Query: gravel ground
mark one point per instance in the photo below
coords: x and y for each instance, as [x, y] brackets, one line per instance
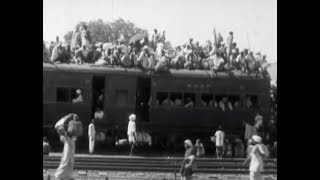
[126, 175]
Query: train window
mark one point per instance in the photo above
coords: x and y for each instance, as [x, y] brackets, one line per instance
[224, 102]
[76, 95]
[189, 100]
[63, 95]
[251, 101]
[162, 98]
[234, 100]
[206, 99]
[121, 98]
[176, 99]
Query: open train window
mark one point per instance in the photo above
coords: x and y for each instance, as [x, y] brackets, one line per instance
[189, 100]
[205, 100]
[162, 98]
[121, 98]
[234, 100]
[176, 99]
[76, 95]
[251, 101]
[63, 95]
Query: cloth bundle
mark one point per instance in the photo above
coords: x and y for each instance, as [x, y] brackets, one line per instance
[143, 137]
[71, 124]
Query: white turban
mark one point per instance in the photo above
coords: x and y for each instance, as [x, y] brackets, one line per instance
[188, 142]
[132, 117]
[257, 138]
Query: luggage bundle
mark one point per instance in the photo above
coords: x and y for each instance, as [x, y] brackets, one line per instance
[70, 124]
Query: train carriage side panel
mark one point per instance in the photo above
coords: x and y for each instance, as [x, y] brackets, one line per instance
[120, 100]
[59, 89]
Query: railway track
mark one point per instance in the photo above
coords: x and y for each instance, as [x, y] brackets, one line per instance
[205, 165]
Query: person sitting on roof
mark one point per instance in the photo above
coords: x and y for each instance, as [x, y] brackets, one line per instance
[97, 54]
[78, 98]
[143, 58]
[240, 62]
[189, 103]
[155, 38]
[46, 54]
[85, 36]
[189, 57]
[76, 39]
[84, 55]
[216, 63]
[179, 60]
[162, 63]
[56, 52]
[163, 37]
[250, 61]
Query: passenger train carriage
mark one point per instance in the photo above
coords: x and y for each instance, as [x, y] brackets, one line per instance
[153, 98]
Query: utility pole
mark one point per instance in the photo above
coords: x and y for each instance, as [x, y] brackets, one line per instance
[112, 10]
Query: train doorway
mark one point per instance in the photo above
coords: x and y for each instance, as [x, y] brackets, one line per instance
[143, 99]
[98, 94]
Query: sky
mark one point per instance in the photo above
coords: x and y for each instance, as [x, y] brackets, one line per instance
[253, 22]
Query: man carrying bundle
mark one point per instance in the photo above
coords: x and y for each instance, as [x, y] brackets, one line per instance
[69, 127]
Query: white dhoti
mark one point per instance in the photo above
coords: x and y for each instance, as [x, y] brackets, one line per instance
[91, 144]
[256, 176]
[131, 138]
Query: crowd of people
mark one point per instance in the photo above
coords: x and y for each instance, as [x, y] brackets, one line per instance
[156, 54]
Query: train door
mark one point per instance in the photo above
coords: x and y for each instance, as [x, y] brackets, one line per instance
[98, 89]
[143, 99]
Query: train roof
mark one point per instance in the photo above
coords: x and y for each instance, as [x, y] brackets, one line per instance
[94, 69]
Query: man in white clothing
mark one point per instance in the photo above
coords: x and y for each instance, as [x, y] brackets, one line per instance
[78, 99]
[132, 134]
[91, 135]
[219, 142]
[257, 153]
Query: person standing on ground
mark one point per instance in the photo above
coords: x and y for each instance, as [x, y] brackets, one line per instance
[132, 134]
[91, 135]
[189, 161]
[65, 169]
[219, 142]
[200, 148]
[257, 152]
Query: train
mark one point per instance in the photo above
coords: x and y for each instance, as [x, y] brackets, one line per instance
[153, 97]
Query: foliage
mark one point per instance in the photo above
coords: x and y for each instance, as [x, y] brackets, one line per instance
[108, 31]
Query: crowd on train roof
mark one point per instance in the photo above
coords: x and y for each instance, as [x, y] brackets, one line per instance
[157, 54]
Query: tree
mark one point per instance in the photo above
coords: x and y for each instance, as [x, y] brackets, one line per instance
[109, 31]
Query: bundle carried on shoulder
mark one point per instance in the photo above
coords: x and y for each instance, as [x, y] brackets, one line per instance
[71, 124]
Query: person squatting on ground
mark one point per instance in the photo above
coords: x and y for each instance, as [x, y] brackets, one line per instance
[91, 136]
[46, 146]
[219, 138]
[258, 151]
[132, 134]
[189, 161]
